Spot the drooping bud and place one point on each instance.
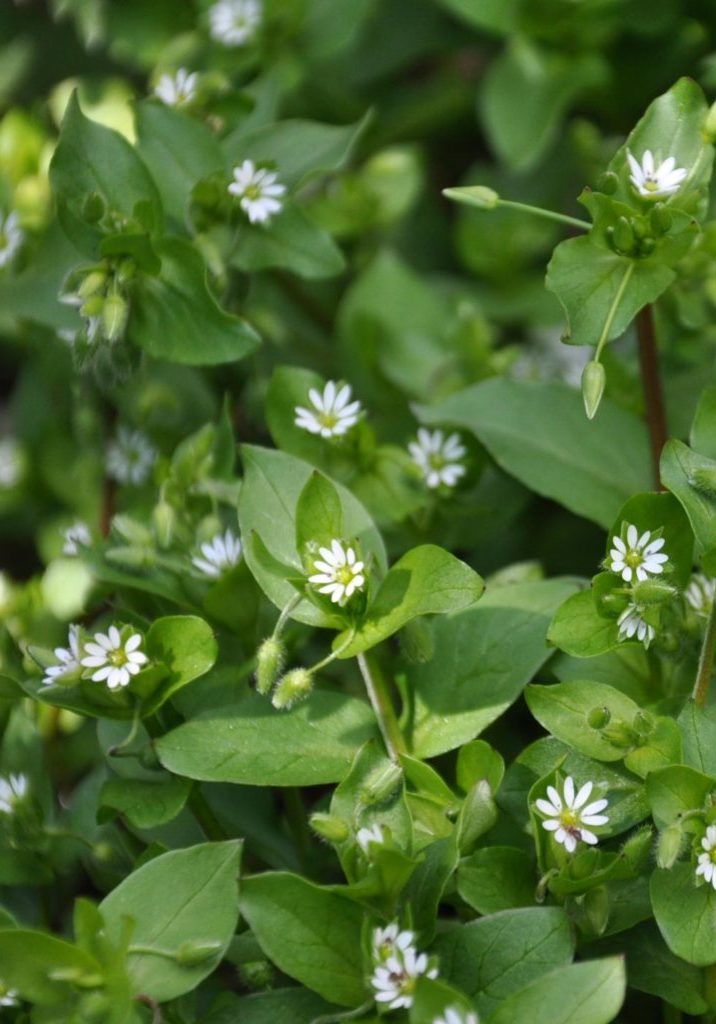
(669, 846)
(608, 183)
(92, 307)
(330, 827)
(598, 717)
(380, 784)
(643, 723)
(623, 235)
(269, 663)
(257, 974)
(660, 219)
(292, 688)
(193, 952)
(164, 518)
(593, 381)
(93, 283)
(115, 314)
(474, 195)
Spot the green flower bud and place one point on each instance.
(598, 717)
(608, 183)
(115, 314)
(129, 555)
(193, 952)
(593, 380)
(93, 208)
(292, 688)
(660, 219)
(257, 974)
(646, 247)
(330, 827)
(93, 306)
(131, 530)
(704, 480)
(164, 518)
(709, 129)
(474, 195)
(669, 846)
(653, 592)
(269, 663)
(640, 228)
(126, 271)
(619, 734)
(643, 723)
(623, 235)
(93, 283)
(380, 784)
(637, 849)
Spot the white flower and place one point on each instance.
(258, 191)
(638, 556)
(453, 1015)
(632, 624)
(116, 660)
(655, 182)
(220, 553)
(10, 462)
(130, 457)
(12, 789)
(707, 860)
(68, 658)
(366, 837)
(438, 457)
(339, 574)
(11, 237)
(9, 996)
(394, 980)
(333, 413)
(234, 22)
(178, 89)
(567, 815)
(700, 593)
(76, 536)
(391, 941)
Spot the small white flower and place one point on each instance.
(68, 659)
(391, 941)
(76, 536)
(453, 1015)
(638, 557)
(438, 457)
(707, 860)
(10, 462)
(655, 182)
(700, 593)
(13, 788)
(116, 660)
(394, 981)
(632, 624)
(130, 457)
(177, 89)
(220, 553)
(333, 413)
(234, 22)
(567, 815)
(366, 837)
(9, 996)
(258, 191)
(339, 574)
(11, 237)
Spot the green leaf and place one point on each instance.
(493, 15)
(186, 645)
(675, 790)
(589, 467)
(580, 630)
(586, 993)
(493, 957)
(428, 882)
(311, 934)
(425, 581)
(587, 277)
(143, 803)
(178, 150)
(432, 998)
(703, 429)
(563, 709)
(692, 479)
(477, 760)
(273, 483)
(91, 159)
(319, 512)
(291, 241)
(698, 729)
(483, 658)
(660, 748)
(184, 895)
(250, 742)
(497, 878)
(297, 149)
(174, 316)
(297, 1005)
(28, 960)
(685, 913)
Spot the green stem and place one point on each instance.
(382, 706)
(706, 661)
(537, 211)
(336, 1018)
(613, 310)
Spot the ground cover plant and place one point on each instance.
(358, 512)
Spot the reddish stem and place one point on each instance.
(651, 383)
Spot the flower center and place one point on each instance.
(252, 192)
(570, 820)
(651, 184)
(436, 461)
(634, 559)
(328, 420)
(344, 575)
(118, 658)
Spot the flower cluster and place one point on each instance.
(636, 558)
(397, 965)
(339, 573)
(113, 658)
(567, 814)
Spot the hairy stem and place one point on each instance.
(613, 310)
(706, 661)
(651, 383)
(537, 211)
(382, 706)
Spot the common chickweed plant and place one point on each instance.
(358, 615)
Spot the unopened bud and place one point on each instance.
(637, 849)
(380, 784)
(593, 381)
(660, 219)
(704, 479)
(653, 592)
(292, 688)
(474, 195)
(269, 662)
(330, 827)
(129, 555)
(164, 518)
(623, 235)
(646, 246)
(669, 846)
(131, 530)
(115, 314)
(643, 723)
(193, 952)
(619, 734)
(709, 129)
(598, 717)
(91, 284)
(126, 271)
(640, 228)
(257, 974)
(608, 183)
(93, 306)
